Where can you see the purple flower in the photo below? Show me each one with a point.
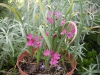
(46, 52)
(58, 68)
(42, 67)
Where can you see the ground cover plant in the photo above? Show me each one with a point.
(84, 13)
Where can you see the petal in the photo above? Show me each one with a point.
(69, 35)
(46, 52)
(29, 36)
(63, 32)
(62, 22)
(30, 42)
(53, 61)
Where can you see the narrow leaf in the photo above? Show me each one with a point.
(44, 36)
(12, 9)
(98, 38)
(69, 9)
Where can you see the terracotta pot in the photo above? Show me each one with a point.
(69, 58)
(19, 59)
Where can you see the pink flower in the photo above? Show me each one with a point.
(62, 22)
(36, 37)
(49, 17)
(56, 56)
(30, 42)
(38, 44)
(50, 13)
(29, 36)
(73, 31)
(70, 25)
(46, 52)
(33, 41)
(57, 15)
(50, 20)
(63, 32)
(52, 53)
(54, 35)
(53, 61)
(47, 34)
(69, 35)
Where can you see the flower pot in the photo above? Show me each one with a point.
(19, 59)
(69, 58)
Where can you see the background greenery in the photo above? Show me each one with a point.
(86, 13)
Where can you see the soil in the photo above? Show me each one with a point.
(30, 67)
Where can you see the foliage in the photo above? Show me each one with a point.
(10, 42)
(85, 13)
(90, 54)
(54, 35)
(13, 31)
(2, 10)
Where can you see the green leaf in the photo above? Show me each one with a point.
(69, 9)
(12, 9)
(98, 38)
(97, 22)
(44, 36)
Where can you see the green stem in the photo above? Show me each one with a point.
(39, 52)
(38, 55)
(47, 60)
(60, 43)
(31, 51)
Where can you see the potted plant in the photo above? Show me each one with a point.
(47, 52)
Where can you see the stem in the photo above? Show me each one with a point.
(39, 52)
(31, 51)
(38, 55)
(47, 62)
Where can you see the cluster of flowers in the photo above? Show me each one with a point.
(36, 41)
(54, 16)
(53, 55)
